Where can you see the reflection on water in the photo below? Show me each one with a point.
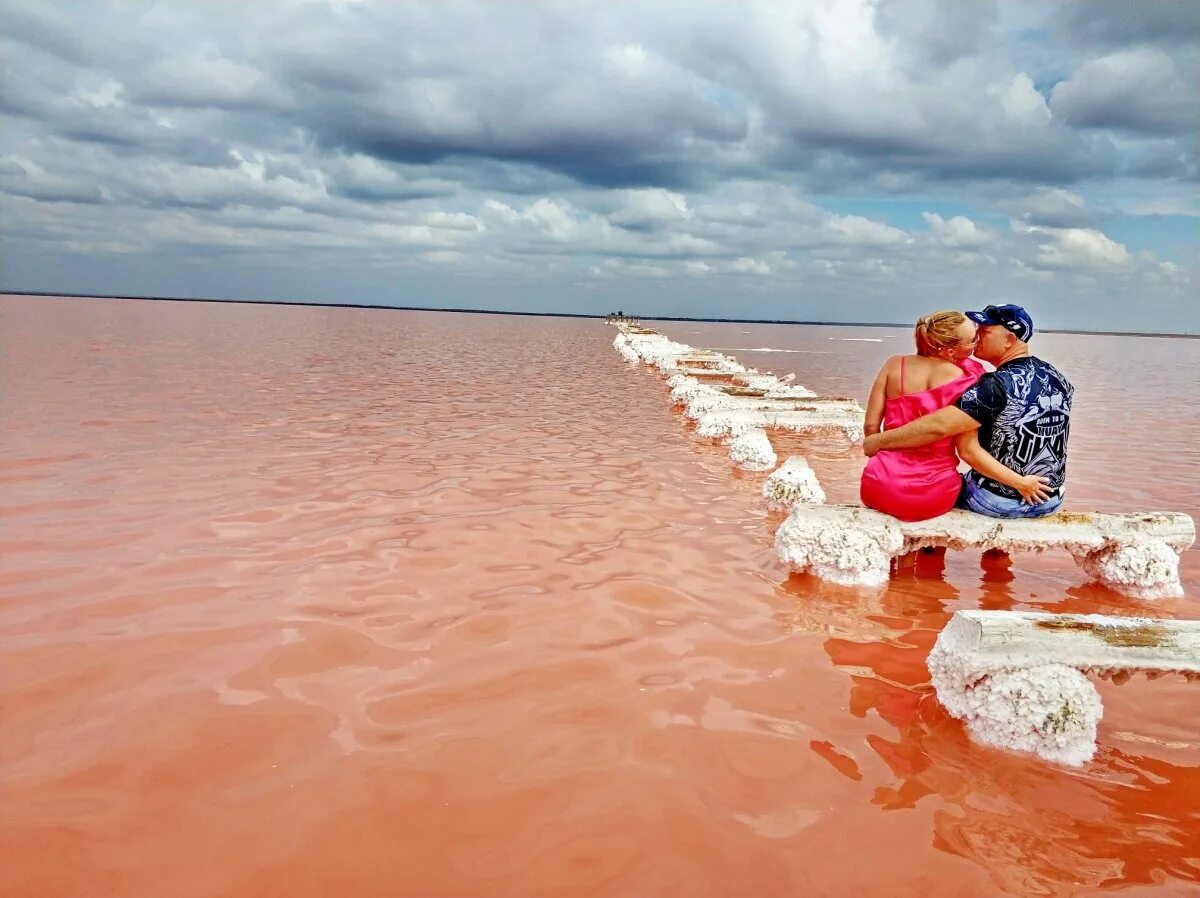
(1035, 828)
(323, 601)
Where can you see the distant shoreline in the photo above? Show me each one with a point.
(355, 305)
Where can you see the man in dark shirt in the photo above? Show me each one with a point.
(1022, 410)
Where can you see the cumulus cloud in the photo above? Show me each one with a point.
(648, 208)
(958, 232)
(1056, 208)
(1132, 90)
(851, 150)
(1080, 249)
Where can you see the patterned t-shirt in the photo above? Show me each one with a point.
(1024, 414)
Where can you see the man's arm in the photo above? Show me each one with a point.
(945, 422)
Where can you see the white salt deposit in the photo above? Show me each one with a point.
(854, 549)
(847, 422)
(752, 450)
(1017, 678)
(718, 425)
(792, 482)
(1137, 554)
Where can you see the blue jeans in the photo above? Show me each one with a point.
(975, 498)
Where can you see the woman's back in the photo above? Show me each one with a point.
(923, 482)
(919, 483)
(933, 385)
(916, 373)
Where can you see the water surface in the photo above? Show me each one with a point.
(313, 601)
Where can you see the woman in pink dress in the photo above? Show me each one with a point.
(923, 482)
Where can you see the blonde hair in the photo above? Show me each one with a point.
(937, 331)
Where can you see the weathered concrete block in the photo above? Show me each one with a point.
(1136, 554)
(805, 417)
(1018, 678)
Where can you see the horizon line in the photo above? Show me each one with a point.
(360, 305)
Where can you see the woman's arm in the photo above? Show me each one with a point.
(873, 423)
(1032, 487)
(874, 420)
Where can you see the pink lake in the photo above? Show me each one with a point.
(351, 602)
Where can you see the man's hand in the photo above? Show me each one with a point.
(870, 445)
(1033, 489)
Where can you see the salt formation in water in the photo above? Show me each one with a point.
(752, 450)
(706, 399)
(786, 392)
(716, 425)
(1017, 678)
(764, 381)
(791, 483)
(809, 419)
(853, 549)
(744, 405)
(1143, 567)
(621, 343)
(1136, 554)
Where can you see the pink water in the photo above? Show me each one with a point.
(329, 602)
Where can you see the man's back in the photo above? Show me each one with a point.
(1024, 414)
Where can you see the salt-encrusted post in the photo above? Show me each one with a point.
(791, 483)
(1136, 554)
(1018, 678)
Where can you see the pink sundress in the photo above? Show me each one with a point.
(923, 482)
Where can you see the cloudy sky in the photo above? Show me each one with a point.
(850, 160)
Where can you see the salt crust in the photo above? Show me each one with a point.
(752, 450)
(723, 420)
(706, 399)
(852, 549)
(716, 425)
(761, 381)
(657, 350)
(1017, 678)
(683, 387)
(789, 392)
(1145, 568)
(1136, 554)
(790, 483)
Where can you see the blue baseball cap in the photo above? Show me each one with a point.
(1013, 319)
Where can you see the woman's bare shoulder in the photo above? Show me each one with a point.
(942, 371)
